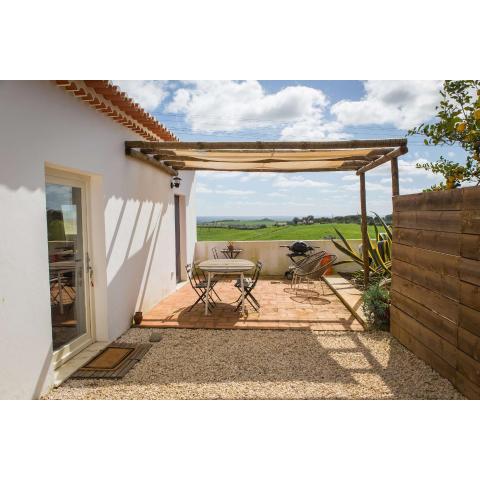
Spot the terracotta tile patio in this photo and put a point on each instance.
(281, 308)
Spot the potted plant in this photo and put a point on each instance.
(137, 318)
(376, 306)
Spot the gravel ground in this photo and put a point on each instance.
(253, 364)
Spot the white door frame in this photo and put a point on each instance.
(61, 177)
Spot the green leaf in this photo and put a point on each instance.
(350, 253)
(345, 242)
(385, 226)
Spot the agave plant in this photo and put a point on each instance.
(379, 252)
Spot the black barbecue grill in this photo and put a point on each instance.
(298, 251)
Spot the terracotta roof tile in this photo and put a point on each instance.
(109, 99)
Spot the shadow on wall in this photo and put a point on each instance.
(130, 260)
(131, 253)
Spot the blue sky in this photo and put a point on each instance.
(297, 110)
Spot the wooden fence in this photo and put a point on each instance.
(435, 310)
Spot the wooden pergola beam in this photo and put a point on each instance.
(373, 155)
(383, 159)
(300, 170)
(362, 160)
(392, 142)
(145, 158)
(395, 179)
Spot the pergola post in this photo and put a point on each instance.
(395, 180)
(363, 205)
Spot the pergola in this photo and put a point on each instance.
(287, 157)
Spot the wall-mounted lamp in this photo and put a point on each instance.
(175, 183)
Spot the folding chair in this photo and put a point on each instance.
(249, 286)
(200, 287)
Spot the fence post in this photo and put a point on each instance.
(395, 181)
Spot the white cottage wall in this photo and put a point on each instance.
(132, 225)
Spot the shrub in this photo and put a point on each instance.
(379, 252)
(376, 306)
(458, 123)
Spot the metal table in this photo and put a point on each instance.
(229, 266)
(227, 253)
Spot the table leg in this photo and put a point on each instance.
(243, 293)
(209, 277)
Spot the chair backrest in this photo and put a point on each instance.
(256, 274)
(310, 262)
(324, 264)
(192, 274)
(215, 253)
(189, 271)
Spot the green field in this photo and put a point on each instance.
(317, 231)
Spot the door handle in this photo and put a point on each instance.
(90, 270)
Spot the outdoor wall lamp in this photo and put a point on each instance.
(175, 183)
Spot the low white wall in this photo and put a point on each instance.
(273, 256)
(132, 224)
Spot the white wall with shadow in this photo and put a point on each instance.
(131, 222)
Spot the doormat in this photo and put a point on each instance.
(114, 361)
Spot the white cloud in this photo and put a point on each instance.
(384, 185)
(202, 188)
(402, 103)
(282, 181)
(402, 180)
(314, 128)
(232, 191)
(351, 177)
(262, 176)
(217, 175)
(407, 167)
(148, 93)
(277, 194)
(220, 190)
(299, 204)
(370, 187)
(212, 106)
(272, 204)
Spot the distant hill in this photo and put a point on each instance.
(210, 219)
(310, 219)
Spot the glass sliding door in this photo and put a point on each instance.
(69, 266)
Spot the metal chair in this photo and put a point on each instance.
(202, 277)
(215, 253)
(249, 286)
(200, 287)
(308, 270)
(313, 258)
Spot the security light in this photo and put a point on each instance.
(175, 183)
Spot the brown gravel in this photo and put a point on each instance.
(253, 364)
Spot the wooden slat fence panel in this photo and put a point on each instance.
(432, 320)
(435, 294)
(435, 241)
